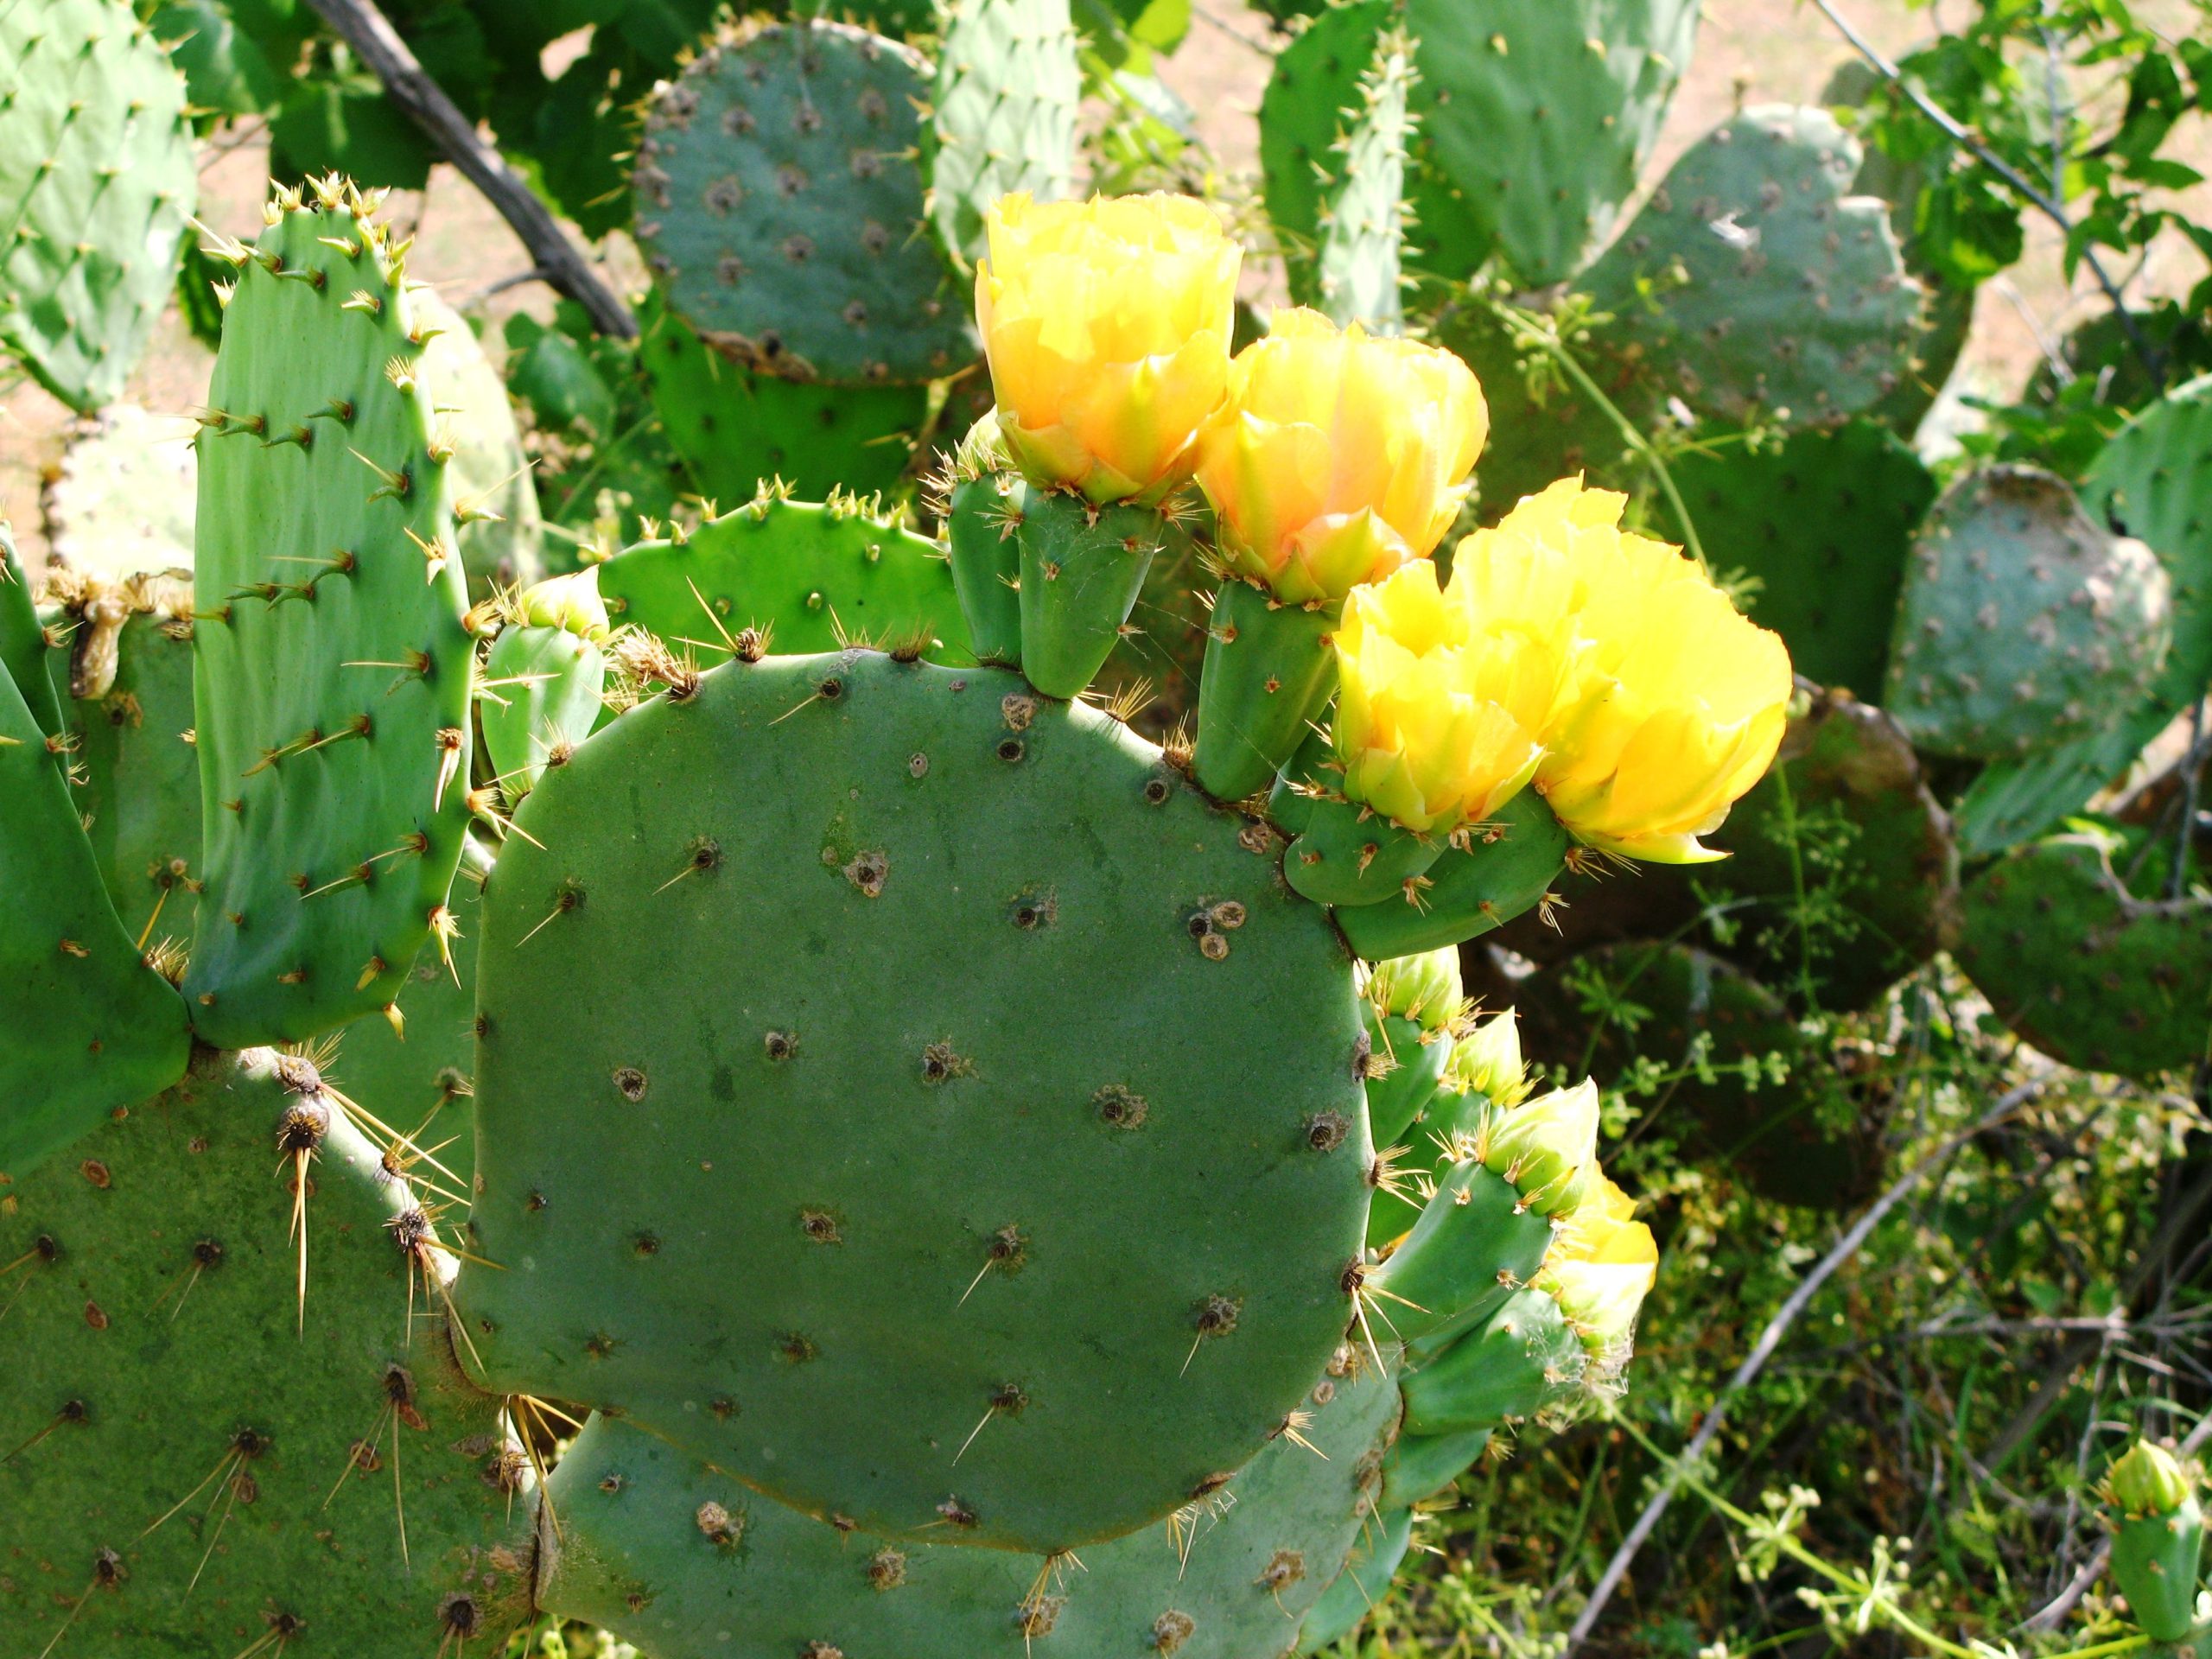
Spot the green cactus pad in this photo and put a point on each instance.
(502, 533)
(668, 1554)
(1002, 117)
(811, 577)
(1758, 282)
(1363, 219)
(333, 678)
(126, 662)
(779, 205)
(1540, 112)
(1362, 1584)
(1508, 869)
(540, 698)
(1083, 568)
(1522, 1360)
(91, 1028)
(2022, 624)
(2081, 967)
(121, 503)
(191, 1467)
(987, 980)
(1541, 428)
(24, 641)
(97, 179)
(2016, 800)
(2153, 481)
(737, 430)
(1824, 521)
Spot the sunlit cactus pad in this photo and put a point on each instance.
(866, 1072)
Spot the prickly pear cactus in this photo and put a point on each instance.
(501, 532)
(1002, 115)
(120, 503)
(781, 208)
(334, 672)
(123, 657)
(803, 576)
(666, 1553)
(97, 179)
(737, 430)
(91, 1026)
(1753, 280)
(1540, 115)
(977, 1173)
(1363, 220)
(2022, 623)
(2082, 968)
(198, 1458)
(1825, 522)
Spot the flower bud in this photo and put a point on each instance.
(1548, 1148)
(2147, 1480)
(1424, 988)
(1338, 456)
(1487, 1061)
(571, 602)
(1417, 739)
(1107, 325)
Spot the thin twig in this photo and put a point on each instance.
(2191, 780)
(2008, 1106)
(370, 34)
(2021, 186)
(2047, 1618)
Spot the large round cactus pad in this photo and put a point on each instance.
(666, 1553)
(780, 204)
(906, 1095)
(193, 1462)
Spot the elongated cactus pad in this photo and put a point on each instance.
(1363, 221)
(781, 207)
(1539, 113)
(944, 1154)
(671, 1556)
(2022, 623)
(2085, 970)
(1754, 281)
(198, 1457)
(96, 182)
(500, 530)
(1003, 117)
(806, 577)
(333, 671)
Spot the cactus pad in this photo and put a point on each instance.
(121, 503)
(502, 534)
(201, 1461)
(1230, 1580)
(2022, 624)
(811, 577)
(1539, 114)
(97, 179)
(1825, 521)
(737, 430)
(2083, 970)
(1363, 221)
(944, 1156)
(333, 678)
(781, 207)
(1758, 282)
(1003, 115)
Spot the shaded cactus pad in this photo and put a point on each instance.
(913, 1077)
(780, 205)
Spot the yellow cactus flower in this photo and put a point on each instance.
(1338, 456)
(1601, 1265)
(1107, 325)
(1666, 704)
(1416, 739)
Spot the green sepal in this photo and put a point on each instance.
(1269, 671)
(1349, 855)
(1472, 1247)
(1082, 568)
(542, 700)
(2155, 1561)
(1419, 1466)
(1396, 1097)
(1522, 1359)
(1502, 875)
(1361, 1584)
(986, 568)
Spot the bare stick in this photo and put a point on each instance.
(370, 34)
(1769, 1340)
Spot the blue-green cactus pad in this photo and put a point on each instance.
(868, 1038)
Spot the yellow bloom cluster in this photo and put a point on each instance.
(1601, 1265)
(1650, 704)
(1337, 457)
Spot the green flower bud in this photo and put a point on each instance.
(1548, 1148)
(1487, 1061)
(1424, 988)
(571, 602)
(2147, 1480)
